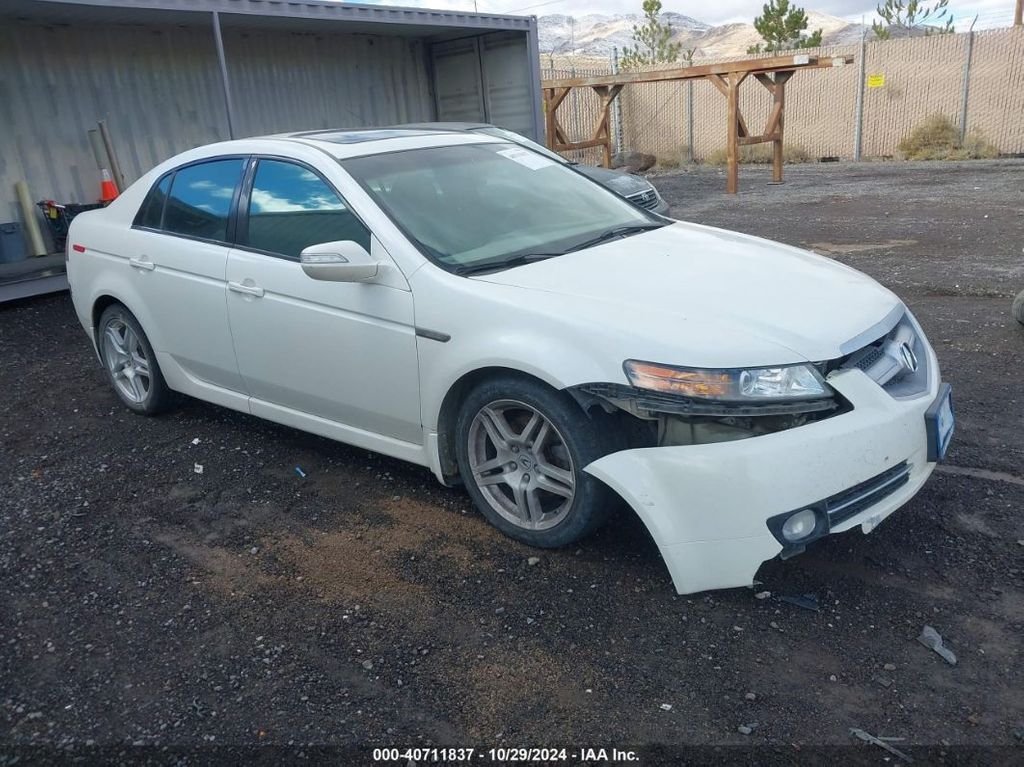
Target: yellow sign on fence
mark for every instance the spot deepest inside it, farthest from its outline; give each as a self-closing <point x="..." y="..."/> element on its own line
<point x="876" y="81"/>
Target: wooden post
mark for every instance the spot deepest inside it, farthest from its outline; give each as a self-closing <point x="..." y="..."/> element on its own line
<point x="549" y="118"/>
<point x="732" y="146"/>
<point x="778" y="108"/>
<point x="607" y="145"/>
<point x="726" y="77"/>
<point x="553" y="98"/>
<point x="602" y="131"/>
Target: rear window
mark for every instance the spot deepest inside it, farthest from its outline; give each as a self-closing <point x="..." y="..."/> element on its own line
<point x="200" y="199"/>
<point x="152" y="210"/>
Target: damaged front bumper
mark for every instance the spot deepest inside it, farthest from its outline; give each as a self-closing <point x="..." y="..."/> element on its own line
<point x="709" y="506"/>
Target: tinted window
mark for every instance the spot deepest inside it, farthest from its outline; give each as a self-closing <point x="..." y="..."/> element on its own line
<point x="291" y="208"/>
<point x="474" y="203"/>
<point x="153" y="206"/>
<point x="200" y="199"/>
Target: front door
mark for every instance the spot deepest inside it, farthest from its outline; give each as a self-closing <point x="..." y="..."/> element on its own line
<point x="343" y="352"/>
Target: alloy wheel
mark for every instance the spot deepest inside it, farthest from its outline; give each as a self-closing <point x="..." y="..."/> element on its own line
<point x="521" y="464"/>
<point x="126" y="360"/>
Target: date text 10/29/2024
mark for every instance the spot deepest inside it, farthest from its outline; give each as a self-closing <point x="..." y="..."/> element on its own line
<point x="502" y="755"/>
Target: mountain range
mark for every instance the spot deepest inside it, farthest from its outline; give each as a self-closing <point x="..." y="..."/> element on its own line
<point x="596" y="35"/>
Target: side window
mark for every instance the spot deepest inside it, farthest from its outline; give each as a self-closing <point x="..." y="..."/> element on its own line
<point x="152" y="209"/>
<point x="200" y="199"/>
<point x="291" y="208"/>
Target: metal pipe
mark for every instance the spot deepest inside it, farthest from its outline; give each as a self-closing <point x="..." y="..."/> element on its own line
<point x="98" y="150"/>
<point x="617" y="106"/>
<point x="218" y="41"/>
<point x="533" y="52"/>
<point x="28" y="213"/>
<point x="689" y="122"/>
<point x="858" y="119"/>
<point x="967" y="83"/>
<point x="115" y="166"/>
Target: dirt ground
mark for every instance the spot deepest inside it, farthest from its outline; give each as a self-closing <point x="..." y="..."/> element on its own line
<point x="142" y="602"/>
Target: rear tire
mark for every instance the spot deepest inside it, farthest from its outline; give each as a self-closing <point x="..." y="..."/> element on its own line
<point x="130" y="363"/>
<point x="1018" y="308"/>
<point x="521" y="449"/>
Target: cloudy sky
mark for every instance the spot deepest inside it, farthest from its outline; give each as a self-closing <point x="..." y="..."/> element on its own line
<point x="991" y="13"/>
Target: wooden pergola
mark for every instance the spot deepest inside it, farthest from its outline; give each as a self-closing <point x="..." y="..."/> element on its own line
<point x="773" y="73"/>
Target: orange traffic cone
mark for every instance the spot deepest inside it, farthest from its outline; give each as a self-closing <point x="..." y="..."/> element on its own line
<point x="108" y="189"/>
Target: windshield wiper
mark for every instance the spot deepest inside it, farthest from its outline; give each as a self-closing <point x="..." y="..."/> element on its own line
<point x="507" y="262"/>
<point x="503" y="263"/>
<point x="615" y="233"/>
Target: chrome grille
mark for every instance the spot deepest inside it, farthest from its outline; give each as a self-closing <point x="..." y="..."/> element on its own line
<point x="648" y="199"/>
<point x="898" y="361"/>
<point x="872" y="355"/>
<point x="850" y="503"/>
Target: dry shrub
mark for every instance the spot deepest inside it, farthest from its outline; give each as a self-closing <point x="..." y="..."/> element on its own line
<point x="673" y="158"/>
<point x="977" y="146"/>
<point x="938" y="138"/>
<point x="761" y="154"/>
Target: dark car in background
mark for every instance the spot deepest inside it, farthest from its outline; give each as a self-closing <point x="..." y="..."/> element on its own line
<point x="636" y="189"/>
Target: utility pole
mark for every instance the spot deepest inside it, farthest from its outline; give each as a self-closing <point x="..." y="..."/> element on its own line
<point x="966" y="88"/>
<point x="1018" y="14"/>
<point x="858" y="118"/>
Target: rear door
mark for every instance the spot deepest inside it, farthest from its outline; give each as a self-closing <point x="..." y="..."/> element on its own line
<point x="340" y="351"/>
<point x="179" y="251"/>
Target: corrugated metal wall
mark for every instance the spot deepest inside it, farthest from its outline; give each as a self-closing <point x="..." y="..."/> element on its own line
<point x="508" y="89"/>
<point x="485" y="79"/>
<point x="160" y="90"/>
<point x="283" y="82"/>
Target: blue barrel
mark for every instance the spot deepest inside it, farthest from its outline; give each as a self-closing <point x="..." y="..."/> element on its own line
<point x="12" y="243"/>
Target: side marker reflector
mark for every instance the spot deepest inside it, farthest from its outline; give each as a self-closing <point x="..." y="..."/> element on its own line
<point x="78" y="248"/>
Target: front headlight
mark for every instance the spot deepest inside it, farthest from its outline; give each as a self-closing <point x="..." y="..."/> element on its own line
<point x="788" y="382"/>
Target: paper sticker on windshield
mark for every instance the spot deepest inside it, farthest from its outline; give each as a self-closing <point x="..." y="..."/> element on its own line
<point x="531" y="160"/>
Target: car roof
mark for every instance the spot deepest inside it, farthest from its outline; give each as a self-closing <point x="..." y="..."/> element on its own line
<point x="343" y="143"/>
<point x="457" y="127"/>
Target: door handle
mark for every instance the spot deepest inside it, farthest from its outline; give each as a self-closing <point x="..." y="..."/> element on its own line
<point x="142" y="263"/>
<point x="249" y="290"/>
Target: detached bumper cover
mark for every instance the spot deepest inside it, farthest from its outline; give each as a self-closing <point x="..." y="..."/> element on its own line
<point x="706" y="506"/>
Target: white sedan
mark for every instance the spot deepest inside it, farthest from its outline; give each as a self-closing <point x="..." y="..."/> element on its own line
<point x="466" y="304"/>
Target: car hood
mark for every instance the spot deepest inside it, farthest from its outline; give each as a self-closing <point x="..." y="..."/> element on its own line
<point x="709" y="297"/>
<point x="619" y="182"/>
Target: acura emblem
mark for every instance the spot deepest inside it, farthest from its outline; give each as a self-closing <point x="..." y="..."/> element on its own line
<point x="908" y="357"/>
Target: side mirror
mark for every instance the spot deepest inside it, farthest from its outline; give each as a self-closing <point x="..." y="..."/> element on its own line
<point x="340" y="261"/>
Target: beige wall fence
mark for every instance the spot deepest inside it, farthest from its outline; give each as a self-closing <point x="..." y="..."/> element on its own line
<point x="905" y="81"/>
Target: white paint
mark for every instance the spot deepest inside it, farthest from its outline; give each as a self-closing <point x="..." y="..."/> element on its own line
<point x="343" y="359"/>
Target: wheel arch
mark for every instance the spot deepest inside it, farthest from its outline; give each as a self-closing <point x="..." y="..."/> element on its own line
<point x="449" y="409"/>
<point x="99" y="305"/>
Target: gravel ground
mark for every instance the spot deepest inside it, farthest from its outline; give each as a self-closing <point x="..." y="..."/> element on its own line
<point x="142" y="602"/>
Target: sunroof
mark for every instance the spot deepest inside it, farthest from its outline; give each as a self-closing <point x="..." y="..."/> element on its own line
<point x="359" y="136"/>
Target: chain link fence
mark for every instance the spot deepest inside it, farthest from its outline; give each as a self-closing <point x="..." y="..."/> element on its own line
<point x="905" y="81"/>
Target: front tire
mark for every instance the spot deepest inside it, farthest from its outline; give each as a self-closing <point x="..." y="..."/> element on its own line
<point x="521" y="450"/>
<point x="130" y="363"/>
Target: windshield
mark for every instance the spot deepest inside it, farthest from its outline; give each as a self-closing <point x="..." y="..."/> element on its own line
<point x="507" y="135"/>
<point x="480" y="204"/>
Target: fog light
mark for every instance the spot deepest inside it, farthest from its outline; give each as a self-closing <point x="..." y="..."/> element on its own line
<point x="799" y="525"/>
